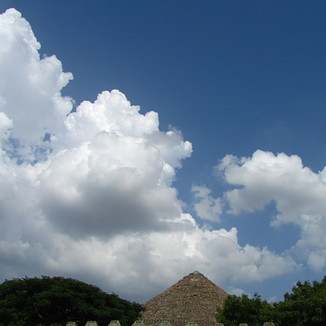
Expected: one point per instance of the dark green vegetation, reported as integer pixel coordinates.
(46, 300)
(305, 306)
(243, 309)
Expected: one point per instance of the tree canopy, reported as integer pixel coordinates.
(47, 300)
(243, 309)
(304, 306)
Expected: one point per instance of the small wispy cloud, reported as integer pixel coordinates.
(206, 206)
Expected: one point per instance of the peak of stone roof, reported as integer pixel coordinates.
(195, 272)
(192, 299)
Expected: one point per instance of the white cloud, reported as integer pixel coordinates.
(5, 125)
(112, 184)
(96, 201)
(111, 112)
(30, 87)
(206, 206)
(236, 291)
(299, 195)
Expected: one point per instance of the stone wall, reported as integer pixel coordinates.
(142, 323)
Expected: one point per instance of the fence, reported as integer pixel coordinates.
(146, 323)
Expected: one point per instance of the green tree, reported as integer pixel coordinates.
(253, 311)
(305, 306)
(48, 300)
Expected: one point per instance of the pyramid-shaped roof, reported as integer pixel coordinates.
(193, 299)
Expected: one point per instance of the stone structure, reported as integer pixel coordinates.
(115, 323)
(193, 299)
(138, 323)
(141, 323)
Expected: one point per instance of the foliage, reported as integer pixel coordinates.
(305, 306)
(48, 300)
(242, 309)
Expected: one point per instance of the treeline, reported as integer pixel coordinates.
(46, 300)
(304, 306)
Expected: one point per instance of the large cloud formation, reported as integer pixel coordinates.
(88, 192)
(298, 193)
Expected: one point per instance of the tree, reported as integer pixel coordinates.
(48, 300)
(243, 309)
(305, 306)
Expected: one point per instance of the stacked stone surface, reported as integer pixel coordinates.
(193, 299)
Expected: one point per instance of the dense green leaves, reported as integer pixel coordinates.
(48, 300)
(305, 306)
(243, 309)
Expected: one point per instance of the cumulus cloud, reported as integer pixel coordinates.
(30, 86)
(298, 193)
(111, 184)
(90, 193)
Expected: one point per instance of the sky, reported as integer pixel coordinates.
(144, 140)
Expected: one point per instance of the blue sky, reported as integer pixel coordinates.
(242, 81)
